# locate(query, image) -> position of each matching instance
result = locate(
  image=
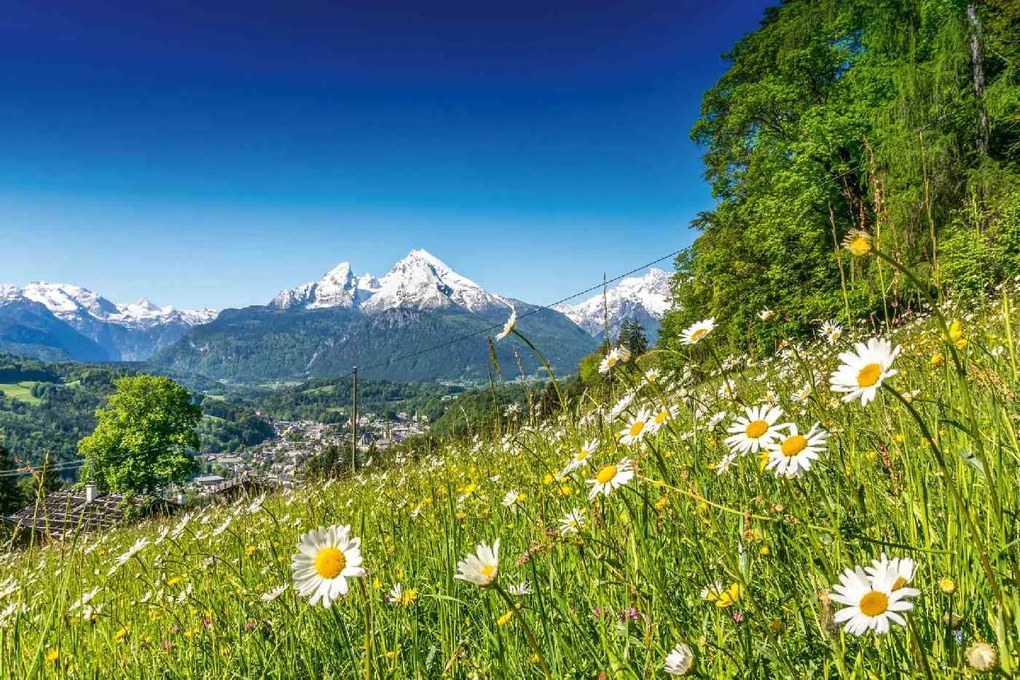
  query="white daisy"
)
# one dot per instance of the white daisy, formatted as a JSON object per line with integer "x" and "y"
{"x": 864, "y": 369}
{"x": 621, "y": 405}
{"x": 872, "y": 601}
{"x": 637, "y": 428}
{"x": 766, "y": 314}
{"x": 519, "y": 589}
{"x": 755, "y": 429}
{"x": 727, "y": 389}
{"x": 508, "y": 327}
{"x": 663, "y": 416}
{"x": 697, "y": 332}
{"x": 831, "y": 332}
{"x": 680, "y": 661}
{"x": 326, "y": 558}
{"x": 611, "y": 477}
{"x": 581, "y": 456}
{"x": 480, "y": 567}
{"x": 511, "y": 499}
{"x": 902, "y": 567}
{"x": 792, "y": 455}
{"x": 724, "y": 465}
{"x": 572, "y": 523}
{"x": 609, "y": 361}
{"x": 651, "y": 375}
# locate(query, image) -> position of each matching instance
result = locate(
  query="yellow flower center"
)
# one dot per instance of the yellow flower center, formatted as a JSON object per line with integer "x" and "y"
{"x": 869, "y": 375}
{"x": 606, "y": 474}
{"x": 488, "y": 570}
{"x": 756, "y": 429}
{"x": 612, "y": 361}
{"x": 662, "y": 417}
{"x": 859, "y": 245}
{"x": 794, "y": 445}
{"x": 330, "y": 562}
{"x": 874, "y": 603}
{"x": 581, "y": 455}
{"x": 698, "y": 334}
{"x": 636, "y": 428}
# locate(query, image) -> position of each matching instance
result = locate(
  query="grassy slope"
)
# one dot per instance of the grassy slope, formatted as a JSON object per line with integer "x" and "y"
{"x": 190, "y": 605}
{"x": 20, "y": 390}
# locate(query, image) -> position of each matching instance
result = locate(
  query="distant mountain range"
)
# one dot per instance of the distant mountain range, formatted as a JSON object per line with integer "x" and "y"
{"x": 56, "y": 321}
{"x": 644, "y": 299}
{"x": 322, "y": 328}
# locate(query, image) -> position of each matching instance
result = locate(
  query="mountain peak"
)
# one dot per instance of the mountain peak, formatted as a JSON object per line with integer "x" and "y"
{"x": 645, "y": 299}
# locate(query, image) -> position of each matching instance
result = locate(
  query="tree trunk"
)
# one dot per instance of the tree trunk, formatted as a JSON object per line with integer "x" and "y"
{"x": 977, "y": 65}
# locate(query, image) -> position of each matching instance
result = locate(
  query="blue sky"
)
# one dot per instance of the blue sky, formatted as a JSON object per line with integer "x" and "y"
{"x": 212, "y": 155}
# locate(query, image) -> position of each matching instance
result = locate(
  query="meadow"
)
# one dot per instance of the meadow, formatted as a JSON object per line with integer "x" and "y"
{"x": 21, "y": 391}
{"x": 734, "y": 519}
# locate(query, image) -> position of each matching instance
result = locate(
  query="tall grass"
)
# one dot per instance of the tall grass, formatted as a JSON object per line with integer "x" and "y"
{"x": 928, "y": 471}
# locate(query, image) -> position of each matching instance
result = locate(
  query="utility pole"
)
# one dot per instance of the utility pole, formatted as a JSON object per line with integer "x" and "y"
{"x": 354, "y": 425}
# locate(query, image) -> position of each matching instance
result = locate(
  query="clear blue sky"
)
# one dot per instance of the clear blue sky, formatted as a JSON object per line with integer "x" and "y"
{"x": 210, "y": 154}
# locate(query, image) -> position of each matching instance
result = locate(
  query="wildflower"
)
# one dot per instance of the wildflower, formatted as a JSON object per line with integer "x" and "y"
{"x": 720, "y": 596}
{"x": 937, "y": 360}
{"x": 803, "y": 394}
{"x": 611, "y": 477}
{"x": 274, "y": 593}
{"x": 766, "y": 314}
{"x": 53, "y": 656}
{"x": 902, "y": 567}
{"x": 580, "y": 457}
{"x": 400, "y": 597}
{"x": 947, "y": 585}
{"x": 793, "y": 455}
{"x": 519, "y": 589}
{"x": 508, "y": 327}
{"x": 727, "y": 389}
{"x": 326, "y": 558}
{"x": 138, "y": 546}
{"x": 651, "y": 375}
{"x": 480, "y": 567}
{"x": 858, "y": 242}
{"x": 755, "y": 429}
{"x": 697, "y": 332}
{"x": 512, "y": 498}
{"x": 572, "y": 523}
{"x": 831, "y": 332}
{"x": 982, "y": 657}
{"x": 621, "y": 405}
{"x": 664, "y": 415}
{"x": 505, "y": 618}
{"x": 636, "y": 429}
{"x": 958, "y": 334}
{"x": 724, "y": 465}
{"x": 873, "y": 600}
{"x": 864, "y": 369}
{"x": 609, "y": 361}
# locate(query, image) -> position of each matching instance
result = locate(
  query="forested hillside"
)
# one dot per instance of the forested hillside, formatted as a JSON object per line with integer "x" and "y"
{"x": 898, "y": 118}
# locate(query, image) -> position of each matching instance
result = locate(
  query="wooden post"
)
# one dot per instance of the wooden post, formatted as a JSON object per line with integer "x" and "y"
{"x": 354, "y": 425}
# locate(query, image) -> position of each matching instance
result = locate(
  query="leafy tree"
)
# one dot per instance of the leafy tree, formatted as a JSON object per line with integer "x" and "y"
{"x": 42, "y": 481}
{"x": 143, "y": 433}
{"x": 11, "y": 498}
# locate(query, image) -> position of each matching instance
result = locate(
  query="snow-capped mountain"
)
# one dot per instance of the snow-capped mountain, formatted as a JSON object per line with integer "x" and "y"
{"x": 420, "y": 281}
{"x": 645, "y": 299}
{"x": 121, "y": 332}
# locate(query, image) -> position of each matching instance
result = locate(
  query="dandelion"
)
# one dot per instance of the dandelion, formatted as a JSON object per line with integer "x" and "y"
{"x": 611, "y": 477}
{"x": 480, "y": 567}
{"x": 634, "y": 432}
{"x": 609, "y": 361}
{"x": 508, "y": 327}
{"x": 873, "y": 601}
{"x": 858, "y": 242}
{"x": 326, "y": 558}
{"x": 572, "y": 523}
{"x": 755, "y": 429}
{"x": 831, "y": 332}
{"x": 697, "y": 332}
{"x": 721, "y": 596}
{"x": 864, "y": 369}
{"x": 792, "y": 456}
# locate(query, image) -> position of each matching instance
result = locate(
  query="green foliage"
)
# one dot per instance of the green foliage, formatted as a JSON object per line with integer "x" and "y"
{"x": 633, "y": 337}
{"x": 10, "y": 494}
{"x": 144, "y": 431}
{"x": 837, "y": 115}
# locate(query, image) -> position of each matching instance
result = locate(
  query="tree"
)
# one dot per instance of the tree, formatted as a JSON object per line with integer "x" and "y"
{"x": 42, "y": 481}
{"x": 10, "y": 493}
{"x": 142, "y": 437}
{"x": 632, "y": 336}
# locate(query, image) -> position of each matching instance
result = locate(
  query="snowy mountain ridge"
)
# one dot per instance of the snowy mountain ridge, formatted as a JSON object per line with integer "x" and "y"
{"x": 645, "y": 299}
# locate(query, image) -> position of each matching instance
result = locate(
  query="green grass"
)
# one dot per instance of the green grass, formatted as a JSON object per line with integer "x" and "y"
{"x": 618, "y": 595}
{"x": 21, "y": 391}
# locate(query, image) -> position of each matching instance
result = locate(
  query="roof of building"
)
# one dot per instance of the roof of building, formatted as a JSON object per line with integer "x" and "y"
{"x": 63, "y": 512}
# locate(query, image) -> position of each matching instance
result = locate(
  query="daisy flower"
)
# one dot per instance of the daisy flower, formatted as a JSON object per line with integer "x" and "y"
{"x": 766, "y": 314}
{"x": 792, "y": 455}
{"x": 572, "y": 523}
{"x": 609, "y": 361}
{"x": 755, "y": 429}
{"x": 651, "y": 375}
{"x": 864, "y": 369}
{"x": 633, "y": 433}
{"x": 519, "y": 589}
{"x": 664, "y": 415}
{"x": 728, "y": 388}
{"x": 872, "y": 601}
{"x": 512, "y": 498}
{"x": 680, "y": 661}
{"x": 508, "y": 327}
{"x": 326, "y": 558}
{"x": 831, "y": 332}
{"x": 480, "y": 567}
{"x": 902, "y": 567}
{"x": 724, "y": 465}
{"x": 697, "y": 332}
{"x": 580, "y": 457}
{"x": 611, "y": 477}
